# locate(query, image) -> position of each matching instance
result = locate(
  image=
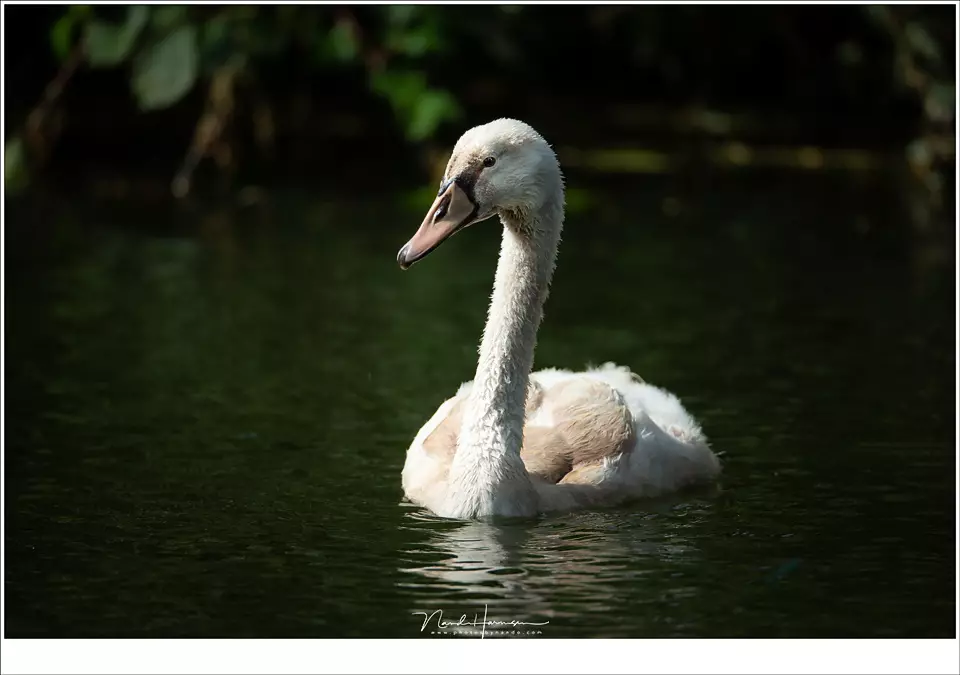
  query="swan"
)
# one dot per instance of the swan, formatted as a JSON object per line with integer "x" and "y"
{"x": 511, "y": 443}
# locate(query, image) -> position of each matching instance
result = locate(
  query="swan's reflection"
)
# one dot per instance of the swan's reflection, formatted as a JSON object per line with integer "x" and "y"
{"x": 554, "y": 568}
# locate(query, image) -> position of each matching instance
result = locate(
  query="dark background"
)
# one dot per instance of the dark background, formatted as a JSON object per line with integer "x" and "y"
{"x": 213, "y": 365}
{"x": 326, "y": 91}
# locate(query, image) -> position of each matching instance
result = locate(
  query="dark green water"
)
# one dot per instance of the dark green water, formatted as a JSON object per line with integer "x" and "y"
{"x": 207, "y": 413}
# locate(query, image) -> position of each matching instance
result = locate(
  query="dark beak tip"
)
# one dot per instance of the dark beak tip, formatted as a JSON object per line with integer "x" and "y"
{"x": 402, "y": 258}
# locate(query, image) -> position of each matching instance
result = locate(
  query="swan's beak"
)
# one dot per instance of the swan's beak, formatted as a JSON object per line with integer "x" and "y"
{"x": 452, "y": 211}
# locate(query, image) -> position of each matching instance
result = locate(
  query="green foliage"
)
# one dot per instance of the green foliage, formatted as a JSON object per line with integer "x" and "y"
{"x": 108, "y": 44}
{"x": 397, "y": 51}
{"x": 419, "y": 107}
{"x": 341, "y": 43}
{"x": 168, "y": 49}
{"x": 167, "y": 69}
{"x": 160, "y": 45}
{"x": 63, "y": 31}
{"x": 412, "y": 31}
{"x": 167, "y": 17}
{"x": 15, "y": 174}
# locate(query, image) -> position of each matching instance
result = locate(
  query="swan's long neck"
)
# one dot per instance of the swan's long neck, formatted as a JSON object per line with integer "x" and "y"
{"x": 487, "y": 469}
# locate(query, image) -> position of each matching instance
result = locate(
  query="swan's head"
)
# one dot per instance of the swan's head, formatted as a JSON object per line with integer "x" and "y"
{"x": 503, "y": 166}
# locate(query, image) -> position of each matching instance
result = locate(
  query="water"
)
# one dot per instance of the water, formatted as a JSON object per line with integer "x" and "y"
{"x": 207, "y": 412}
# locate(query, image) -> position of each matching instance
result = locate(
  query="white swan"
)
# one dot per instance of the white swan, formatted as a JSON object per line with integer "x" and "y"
{"x": 516, "y": 443}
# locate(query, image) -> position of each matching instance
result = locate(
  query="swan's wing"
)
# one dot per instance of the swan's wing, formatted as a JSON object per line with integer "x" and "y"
{"x": 648, "y": 403}
{"x": 590, "y": 416}
{"x": 424, "y": 476}
{"x": 664, "y": 451}
{"x": 572, "y": 421}
{"x": 545, "y": 453}
{"x": 580, "y": 421}
{"x": 441, "y": 442}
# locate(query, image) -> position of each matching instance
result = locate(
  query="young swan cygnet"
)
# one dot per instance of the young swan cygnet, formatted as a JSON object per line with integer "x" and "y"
{"x": 512, "y": 443}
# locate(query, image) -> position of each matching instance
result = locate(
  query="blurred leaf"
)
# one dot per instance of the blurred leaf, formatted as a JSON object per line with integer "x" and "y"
{"x": 61, "y": 35}
{"x": 940, "y": 102}
{"x": 415, "y": 42}
{"x": 918, "y": 153}
{"x": 945, "y": 96}
{"x": 922, "y": 42}
{"x": 410, "y": 31}
{"x": 401, "y": 15}
{"x": 109, "y": 44}
{"x": 167, "y": 70}
{"x": 400, "y": 87}
{"x": 420, "y": 108}
{"x": 342, "y": 42}
{"x": 167, "y": 17}
{"x": 14, "y": 164}
{"x": 431, "y": 110}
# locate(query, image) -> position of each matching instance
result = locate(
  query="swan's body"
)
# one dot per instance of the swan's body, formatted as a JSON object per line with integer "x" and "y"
{"x": 512, "y": 443}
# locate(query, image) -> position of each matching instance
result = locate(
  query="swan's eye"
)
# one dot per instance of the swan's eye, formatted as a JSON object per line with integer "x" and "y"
{"x": 489, "y": 161}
